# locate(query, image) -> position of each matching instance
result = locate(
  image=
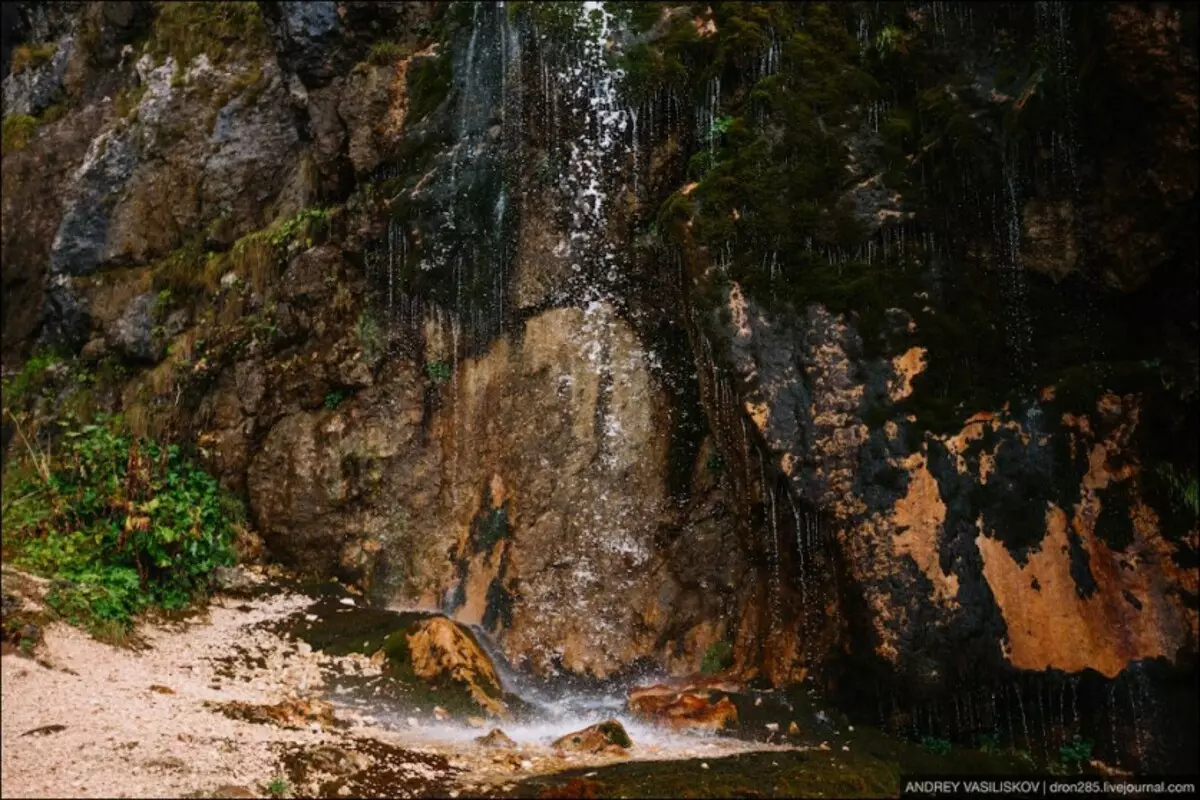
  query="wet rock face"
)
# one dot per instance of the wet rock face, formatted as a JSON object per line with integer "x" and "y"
{"x": 987, "y": 538}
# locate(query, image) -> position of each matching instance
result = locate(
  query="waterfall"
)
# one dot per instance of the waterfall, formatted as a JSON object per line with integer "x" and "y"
{"x": 1018, "y": 325}
{"x": 1053, "y": 33}
{"x": 774, "y": 584}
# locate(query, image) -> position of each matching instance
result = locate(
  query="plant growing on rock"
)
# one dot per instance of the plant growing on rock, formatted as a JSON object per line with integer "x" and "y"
{"x": 385, "y": 53}
{"x": 17, "y": 132}
{"x": 1076, "y": 751}
{"x": 32, "y": 56}
{"x": 718, "y": 658}
{"x": 278, "y": 787}
{"x": 438, "y": 372}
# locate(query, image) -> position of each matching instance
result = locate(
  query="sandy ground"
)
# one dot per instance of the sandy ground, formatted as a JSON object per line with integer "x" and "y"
{"x": 119, "y": 737}
{"x": 123, "y": 739}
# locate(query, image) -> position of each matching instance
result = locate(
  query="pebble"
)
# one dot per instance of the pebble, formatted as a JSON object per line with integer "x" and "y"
{"x": 526, "y": 764}
{"x": 413, "y": 723}
{"x": 344, "y": 791}
{"x": 704, "y": 765}
{"x": 772, "y": 726}
{"x": 347, "y": 601}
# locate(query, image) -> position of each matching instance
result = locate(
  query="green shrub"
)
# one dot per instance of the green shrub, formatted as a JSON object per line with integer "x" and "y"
{"x": 334, "y": 399}
{"x": 122, "y": 523}
{"x": 718, "y": 658}
{"x": 278, "y": 787}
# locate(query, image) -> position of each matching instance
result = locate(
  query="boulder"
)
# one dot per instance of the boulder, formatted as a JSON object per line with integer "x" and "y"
{"x": 496, "y": 738}
{"x": 603, "y": 737}
{"x": 441, "y": 651}
{"x": 686, "y": 707}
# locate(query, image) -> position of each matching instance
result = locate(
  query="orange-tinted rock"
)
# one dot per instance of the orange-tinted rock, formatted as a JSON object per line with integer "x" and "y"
{"x": 441, "y": 650}
{"x": 688, "y": 707}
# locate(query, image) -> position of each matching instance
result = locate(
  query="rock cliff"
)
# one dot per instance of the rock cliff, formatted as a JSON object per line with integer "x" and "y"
{"x": 855, "y": 339}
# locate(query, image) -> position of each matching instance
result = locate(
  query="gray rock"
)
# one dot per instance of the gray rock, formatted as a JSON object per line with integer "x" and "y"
{"x": 33, "y": 89}
{"x": 253, "y": 143}
{"x": 232, "y": 579}
{"x": 303, "y": 33}
{"x": 133, "y": 332}
{"x": 82, "y": 237}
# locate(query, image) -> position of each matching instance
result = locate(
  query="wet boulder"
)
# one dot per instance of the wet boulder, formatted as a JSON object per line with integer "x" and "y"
{"x": 496, "y": 738}
{"x": 603, "y": 737}
{"x": 704, "y": 706}
{"x": 441, "y": 652}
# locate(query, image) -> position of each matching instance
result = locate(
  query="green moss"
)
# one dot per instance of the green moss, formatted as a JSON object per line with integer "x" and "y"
{"x": 428, "y": 85}
{"x": 491, "y": 525}
{"x": 615, "y": 734}
{"x": 17, "y": 132}
{"x": 717, "y": 658}
{"x": 182, "y": 272}
{"x": 32, "y": 56}
{"x": 217, "y": 29}
{"x": 385, "y": 53}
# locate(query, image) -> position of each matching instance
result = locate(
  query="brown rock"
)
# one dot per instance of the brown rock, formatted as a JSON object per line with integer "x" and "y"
{"x": 495, "y": 738}
{"x": 603, "y": 737}
{"x": 290, "y": 713}
{"x": 441, "y": 650}
{"x": 686, "y": 707}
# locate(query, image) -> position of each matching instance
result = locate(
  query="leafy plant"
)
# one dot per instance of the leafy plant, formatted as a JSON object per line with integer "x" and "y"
{"x": 1076, "y": 751}
{"x": 122, "y": 523}
{"x": 438, "y": 371}
{"x": 334, "y": 399}
{"x": 16, "y": 390}
{"x": 715, "y": 464}
{"x": 303, "y": 227}
{"x": 721, "y": 126}
{"x": 936, "y": 745}
{"x": 278, "y": 787}
{"x": 717, "y": 658}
